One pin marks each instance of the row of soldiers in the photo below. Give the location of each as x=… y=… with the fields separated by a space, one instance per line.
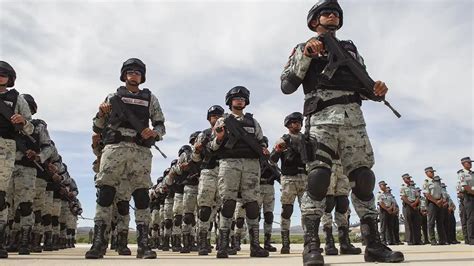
x=38 y=197
x=427 y=208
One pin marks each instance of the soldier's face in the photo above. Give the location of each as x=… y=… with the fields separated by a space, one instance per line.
x=134 y=77
x=430 y=174
x=328 y=19
x=213 y=119
x=467 y=165
x=238 y=103
x=294 y=127
x=3 y=79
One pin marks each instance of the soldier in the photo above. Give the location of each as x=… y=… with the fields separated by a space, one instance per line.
x=395 y=219
x=411 y=214
x=75 y=210
x=208 y=195
x=127 y=155
x=337 y=197
x=293 y=181
x=424 y=217
x=155 y=204
x=449 y=219
x=16 y=104
x=386 y=208
x=168 y=208
x=433 y=193
x=239 y=169
x=335 y=125
x=462 y=210
x=466 y=181
x=266 y=201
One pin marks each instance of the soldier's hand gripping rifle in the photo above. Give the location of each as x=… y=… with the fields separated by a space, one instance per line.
x=236 y=132
x=338 y=57
x=121 y=112
x=20 y=136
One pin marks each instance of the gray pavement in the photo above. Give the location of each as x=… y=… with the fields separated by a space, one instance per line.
x=454 y=255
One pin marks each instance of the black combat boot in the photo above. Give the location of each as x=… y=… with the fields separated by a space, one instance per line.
x=267 y=243
x=176 y=246
x=144 y=251
x=99 y=242
x=25 y=235
x=311 y=253
x=186 y=244
x=36 y=243
x=48 y=241
x=122 y=242
x=3 y=251
x=330 y=248
x=222 y=252
x=255 y=249
x=285 y=242
x=237 y=240
x=113 y=241
x=203 y=249
x=55 y=242
x=376 y=251
x=232 y=249
x=345 y=242
x=13 y=241
x=166 y=243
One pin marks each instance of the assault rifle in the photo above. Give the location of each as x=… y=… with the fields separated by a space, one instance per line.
x=122 y=113
x=20 y=136
x=338 y=57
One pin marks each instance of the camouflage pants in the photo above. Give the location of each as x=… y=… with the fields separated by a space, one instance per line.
x=124 y=163
x=155 y=218
x=339 y=185
x=123 y=195
x=168 y=212
x=23 y=183
x=71 y=221
x=208 y=194
x=178 y=209
x=266 y=203
x=48 y=208
x=56 y=212
x=63 y=217
x=39 y=203
x=239 y=175
x=190 y=205
x=354 y=148
x=292 y=187
x=239 y=213
x=7 y=164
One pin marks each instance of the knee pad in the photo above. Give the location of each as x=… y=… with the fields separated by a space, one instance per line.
x=123 y=207
x=240 y=222
x=3 y=200
x=268 y=217
x=178 y=220
x=188 y=218
x=141 y=198
x=228 y=208
x=205 y=213
x=37 y=217
x=363 y=180
x=252 y=211
x=17 y=216
x=54 y=220
x=168 y=223
x=46 y=220
x=287 y=211
x=62 y=226
x=330 y=203
x=25 y=208
x=318 y=183
x=156 y=227
x=105 y=196
x=342 y=204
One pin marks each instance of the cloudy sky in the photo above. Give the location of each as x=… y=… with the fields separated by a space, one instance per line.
x=68 y=55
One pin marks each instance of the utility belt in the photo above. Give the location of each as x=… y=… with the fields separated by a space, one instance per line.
x=315 y=104
x=114 y=137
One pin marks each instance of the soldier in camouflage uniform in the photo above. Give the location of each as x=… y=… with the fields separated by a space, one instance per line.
x=434 y=196
x=335 y=126
x=75 y=210
x=208 y=196
x=465 y=190
x=168 y=209
x=239 y=169
x=424 y=217
x=8 y=129
x=126 y=155
x=411 y=203
x=238 y=227
x=386 y=209
x=266 y=200
x=156 y=200
x=293 y=181
x=449 y=219
x=337 y=198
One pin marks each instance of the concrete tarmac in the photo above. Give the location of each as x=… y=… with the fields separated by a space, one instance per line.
x=453 y=255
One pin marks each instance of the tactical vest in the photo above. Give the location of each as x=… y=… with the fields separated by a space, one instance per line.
x=343 y=79
x=7 y=131
x=138 y=104
x=209 y=158
x=240 y=149
x=291 y=162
